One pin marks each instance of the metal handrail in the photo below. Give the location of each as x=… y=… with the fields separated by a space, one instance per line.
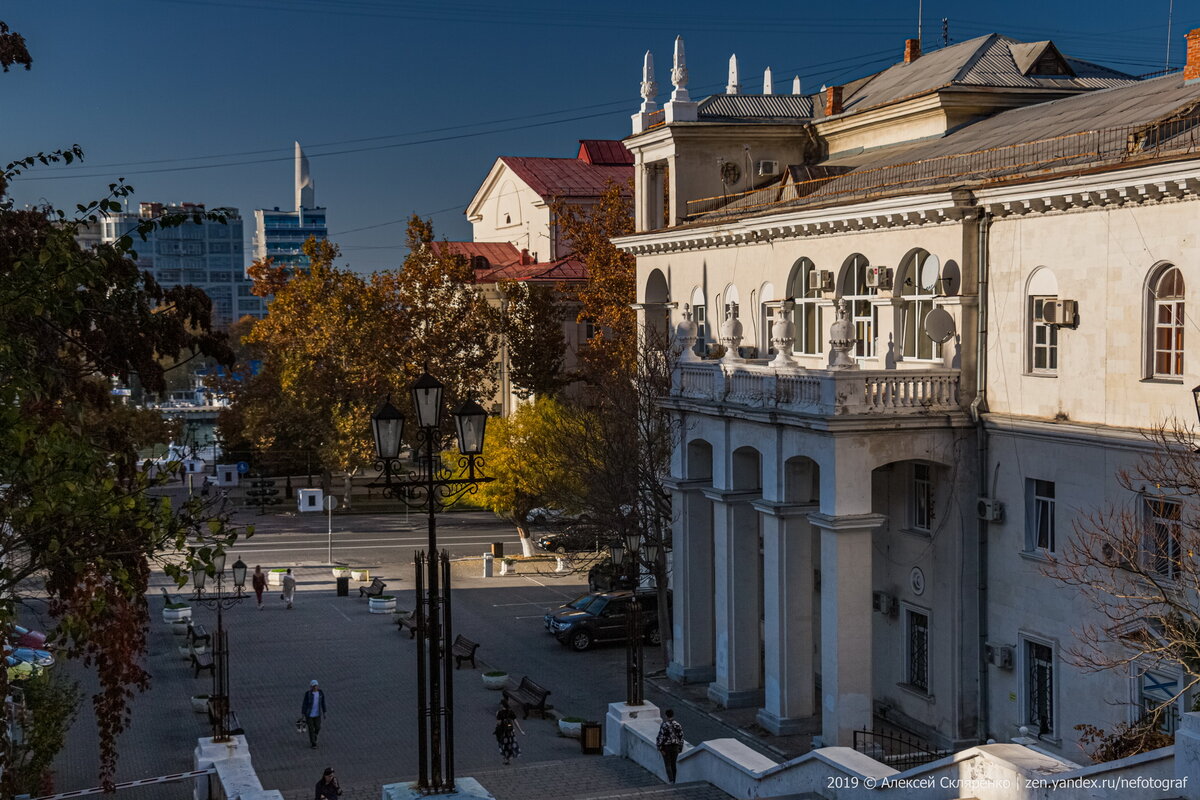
x=899 y=751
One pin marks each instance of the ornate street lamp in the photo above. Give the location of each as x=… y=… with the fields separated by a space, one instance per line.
x=627 y=555
x=431 y=487
x=219 y=710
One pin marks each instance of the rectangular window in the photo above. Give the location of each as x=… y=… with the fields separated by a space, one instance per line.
x=1160 y=545
x=1043 y=339
x=768 y=320
x=1168 y=337
x=808 y=339
x=699 y=316
x=917 y=625
x=1039 y=688
x=1039 y=531
x=863 y=316
x=922 y=497
x=1158 y=693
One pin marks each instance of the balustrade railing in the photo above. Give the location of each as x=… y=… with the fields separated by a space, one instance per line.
x=818 y=391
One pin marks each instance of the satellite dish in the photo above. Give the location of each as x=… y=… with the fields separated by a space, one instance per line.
x=930 y=271
x=939 y=325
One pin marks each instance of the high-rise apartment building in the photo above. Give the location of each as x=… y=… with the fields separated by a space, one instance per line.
x=281 y=234
x=208 y=255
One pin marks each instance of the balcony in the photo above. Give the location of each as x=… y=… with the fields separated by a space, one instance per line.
x=820 y=392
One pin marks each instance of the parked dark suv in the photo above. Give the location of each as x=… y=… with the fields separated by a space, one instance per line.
x=600 y=617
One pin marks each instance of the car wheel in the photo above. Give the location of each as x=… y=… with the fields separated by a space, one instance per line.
x=561 y=549
x=654 y=636
x=580 y=640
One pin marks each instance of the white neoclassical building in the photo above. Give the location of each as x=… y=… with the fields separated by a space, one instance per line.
x=926 y=317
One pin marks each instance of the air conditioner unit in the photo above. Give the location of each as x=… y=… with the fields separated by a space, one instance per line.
x=884 y=603
x=820 y=280
x=1058 y=312
x=990 y=510
x=767 y=168
x=879 y=278
x=999 y=655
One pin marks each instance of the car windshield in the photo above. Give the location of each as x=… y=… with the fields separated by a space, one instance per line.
x=581 y=602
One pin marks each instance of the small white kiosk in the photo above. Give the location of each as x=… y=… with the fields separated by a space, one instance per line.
x=227 y=475
x=310 y=500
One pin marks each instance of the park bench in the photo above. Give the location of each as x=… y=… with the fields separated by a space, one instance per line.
x=202 y=661
x=197 y=633
x=374 y=590
x=232 y=726
x=407 y=622
x=462 y=650
x=528 y=694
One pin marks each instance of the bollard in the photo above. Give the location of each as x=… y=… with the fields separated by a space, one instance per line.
x=488 y=564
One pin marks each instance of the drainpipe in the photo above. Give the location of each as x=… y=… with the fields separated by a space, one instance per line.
x=977 y=406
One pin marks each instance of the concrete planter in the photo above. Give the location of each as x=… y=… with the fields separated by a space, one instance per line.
x=275 y=577
x=179 y=627
x=170 y=615
x=382 y=605
x=495 y=682
x=572 y=730
x=360 y=575
x=508 y=567
x=200 y=703
x=185 y=652
x=341 y=572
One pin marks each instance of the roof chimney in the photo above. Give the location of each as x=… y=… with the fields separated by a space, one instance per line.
x=833 y=101
x=912 y=50
x=525 y=257
x=1191 y=70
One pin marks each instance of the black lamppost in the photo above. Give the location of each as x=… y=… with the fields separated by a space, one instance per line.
x=220 y=601
x=626 y=555
x=431 y=487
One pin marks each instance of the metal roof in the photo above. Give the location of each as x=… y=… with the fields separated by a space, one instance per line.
x=568 y=269
x=750 y=107
x=568 y=177
x=498 y=254
x=604 y=153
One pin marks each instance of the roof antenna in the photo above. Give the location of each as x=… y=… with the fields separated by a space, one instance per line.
x=1170 y=13
x=920 y=9
x=945 y=31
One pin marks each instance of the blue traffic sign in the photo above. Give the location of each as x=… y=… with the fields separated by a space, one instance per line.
x=243 y=467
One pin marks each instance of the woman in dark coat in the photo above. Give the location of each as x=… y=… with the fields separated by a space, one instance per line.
x=506 y=728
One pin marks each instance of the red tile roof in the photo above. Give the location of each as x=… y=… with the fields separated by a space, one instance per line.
x=569 y=270
x=604 y=153
x=498 y=254
x=568 y=177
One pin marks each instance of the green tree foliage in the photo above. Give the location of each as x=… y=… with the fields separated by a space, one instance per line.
x=533 y=332
x=527 y=471
x=47 y=706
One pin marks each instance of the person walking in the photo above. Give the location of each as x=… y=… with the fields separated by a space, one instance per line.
x=506 y=736
x=312 y=709
x=327 y=787
x=669 y=742
x=259 y=581
x=289 y=588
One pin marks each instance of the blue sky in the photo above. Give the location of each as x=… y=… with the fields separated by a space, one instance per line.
x=403 y=106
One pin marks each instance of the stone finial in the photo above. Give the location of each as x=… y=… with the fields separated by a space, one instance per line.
x=768 y=84
x=731 y=336
x=679 y=74
x=841 y=340
x=733 y=87
x=783 y=336
x=649 y=86
x=796 y=85
x=686 y=333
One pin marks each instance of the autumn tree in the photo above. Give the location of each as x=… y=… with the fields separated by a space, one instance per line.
x=532 y=325
x=611 y=289
x=81 y=521
x=1134 y=563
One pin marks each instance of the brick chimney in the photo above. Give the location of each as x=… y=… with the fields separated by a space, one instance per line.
x=1191 y=70
x=833 y=101
x=525 y=260
x=912 y=50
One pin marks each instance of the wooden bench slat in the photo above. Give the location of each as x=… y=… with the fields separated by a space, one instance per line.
x=463 y=649
x=374 y=590
x=407 y=623
x=529 y=694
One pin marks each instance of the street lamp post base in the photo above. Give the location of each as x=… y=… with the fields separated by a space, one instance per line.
x=620 y=715
x=464 y=789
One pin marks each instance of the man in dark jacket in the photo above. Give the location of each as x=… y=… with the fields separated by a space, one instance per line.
x=311 y=711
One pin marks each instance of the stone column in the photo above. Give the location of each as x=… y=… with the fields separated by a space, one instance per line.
x=846 y=688
x=692 y=583
x=737 y=599
x=789 y=704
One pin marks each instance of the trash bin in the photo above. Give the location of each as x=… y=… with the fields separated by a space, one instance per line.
x=343 y=586
x=591 y=739
x=498 y=549
x=488 y=565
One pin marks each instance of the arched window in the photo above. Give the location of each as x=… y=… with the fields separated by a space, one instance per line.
x=1166 y=303
x=700 y=317
x=917 y=289
x=854 y=290
x=767 y=309
x=805 y=315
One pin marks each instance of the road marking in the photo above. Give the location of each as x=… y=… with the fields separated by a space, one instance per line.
x=335 y=608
